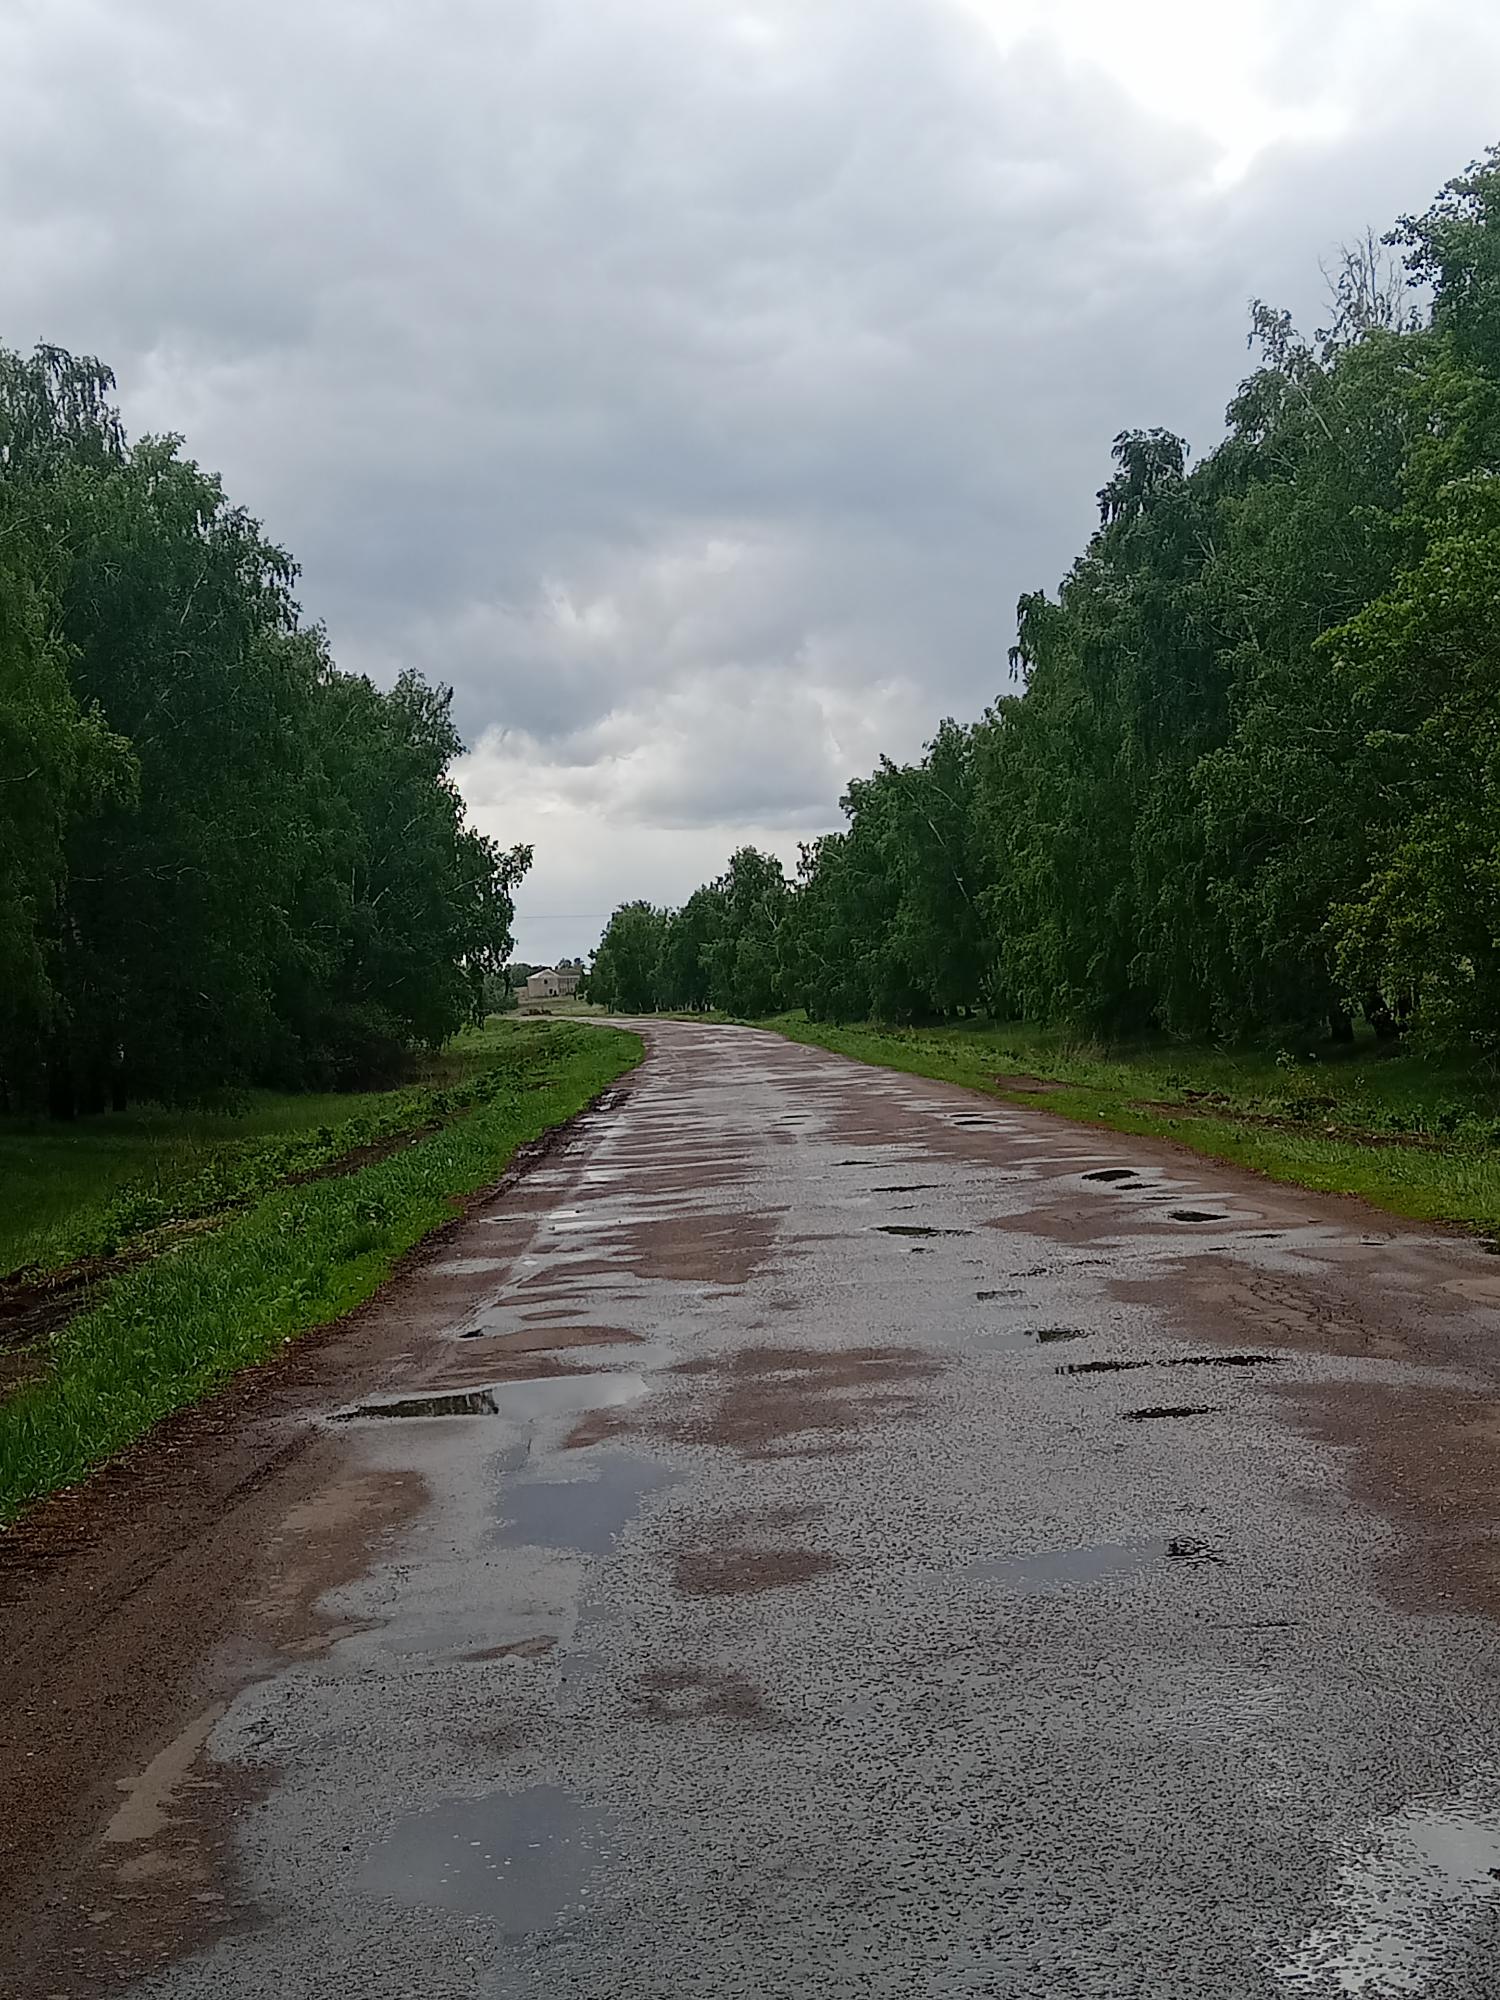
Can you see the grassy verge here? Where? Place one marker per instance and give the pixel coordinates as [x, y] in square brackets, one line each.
[1416, 1137]
[171, 1331]
[94, 1188]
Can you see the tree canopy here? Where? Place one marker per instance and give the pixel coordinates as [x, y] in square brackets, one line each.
[222, 860]
[1248, 771]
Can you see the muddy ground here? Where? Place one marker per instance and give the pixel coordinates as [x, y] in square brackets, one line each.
[817, 1532]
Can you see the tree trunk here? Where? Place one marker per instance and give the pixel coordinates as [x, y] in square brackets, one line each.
[1340, 1025]
[61, 1099]
[1381, 1019]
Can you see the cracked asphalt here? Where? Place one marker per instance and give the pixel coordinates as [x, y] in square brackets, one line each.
[818, 1532]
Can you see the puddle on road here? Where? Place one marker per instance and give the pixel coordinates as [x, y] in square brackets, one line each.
[527, 1398]
[1424, 1875]
[1195, 1215]
[1044, 1335]
[522, 1859]
[915, 1229]
[1112, 1174]
[1060, 1569]
[588, 1515]
[912, 1187]
[1064, 1567]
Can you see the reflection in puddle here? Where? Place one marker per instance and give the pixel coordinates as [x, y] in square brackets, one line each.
[526, 1399]
[1399, 1902]
[553, 1395]
[520, 1858]
[583, 1514]
[465, 1403]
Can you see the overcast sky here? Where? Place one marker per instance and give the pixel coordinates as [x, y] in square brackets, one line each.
[694, 384]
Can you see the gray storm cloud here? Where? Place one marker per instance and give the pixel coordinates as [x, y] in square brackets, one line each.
[694, 386]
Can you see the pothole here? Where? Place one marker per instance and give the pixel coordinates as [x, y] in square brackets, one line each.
[1111, 1174]
[1225, 1361]
[1189, 1549]
[915, 1229]
[526, 1398]
[1098, 1367]
[909, 1187]
[1114, 1367]
[1195, 1215]
[460, 1403]
[1046, 1334]
[1154, 1410]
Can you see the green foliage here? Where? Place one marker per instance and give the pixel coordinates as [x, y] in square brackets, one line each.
[623, 975]
[221, 860]
[93, 1187]
[1249, 779]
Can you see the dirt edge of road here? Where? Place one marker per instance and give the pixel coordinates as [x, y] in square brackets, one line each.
[193, 1509]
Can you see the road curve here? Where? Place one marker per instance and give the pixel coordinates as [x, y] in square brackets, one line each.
[818, 1532]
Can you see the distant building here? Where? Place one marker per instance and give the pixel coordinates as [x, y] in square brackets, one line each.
[558, 984]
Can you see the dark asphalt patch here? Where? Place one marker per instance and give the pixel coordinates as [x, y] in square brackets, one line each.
[702, 1694]
[739, 1572]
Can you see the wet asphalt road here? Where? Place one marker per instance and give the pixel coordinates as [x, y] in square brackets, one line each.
[796, 1608]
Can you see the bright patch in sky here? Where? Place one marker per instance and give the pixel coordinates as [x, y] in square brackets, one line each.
[1213, 68]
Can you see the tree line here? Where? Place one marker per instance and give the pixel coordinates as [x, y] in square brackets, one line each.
[222, 860]
[1249, 774]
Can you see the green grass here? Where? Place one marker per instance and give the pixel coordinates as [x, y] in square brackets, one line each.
[1414, 1136]
[170, 1331]
[92, 1188]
